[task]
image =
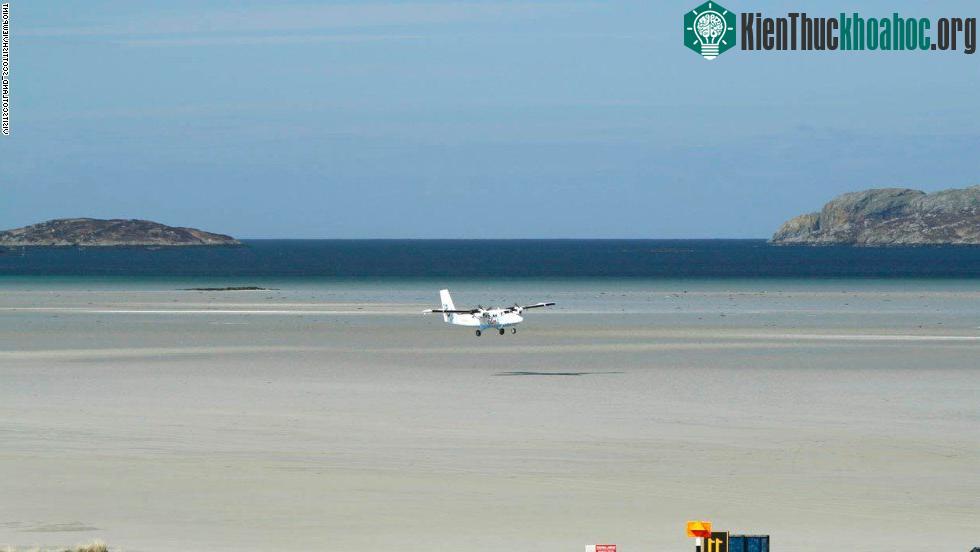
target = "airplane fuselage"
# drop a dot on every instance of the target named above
(493, 318)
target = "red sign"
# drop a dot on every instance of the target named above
(605, 548)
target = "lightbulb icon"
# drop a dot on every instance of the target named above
(710, 28)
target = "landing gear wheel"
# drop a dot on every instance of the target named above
(479, 333)
(513, 330)
(502, 331)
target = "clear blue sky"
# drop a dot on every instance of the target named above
(462, 119)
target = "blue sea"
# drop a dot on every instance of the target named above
(494, 259)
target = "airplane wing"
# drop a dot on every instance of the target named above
(525, 307)
(536, 305)
(450, 311)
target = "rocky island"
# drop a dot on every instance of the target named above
(115, 232)
(889, 216)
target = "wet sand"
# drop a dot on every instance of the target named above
(832, 419)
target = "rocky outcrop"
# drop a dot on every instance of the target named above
(115, 232)
(890, 216)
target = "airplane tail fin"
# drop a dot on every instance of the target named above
(447, 303)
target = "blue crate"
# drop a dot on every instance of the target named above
(748, 543)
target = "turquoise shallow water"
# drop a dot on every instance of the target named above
(907, 303)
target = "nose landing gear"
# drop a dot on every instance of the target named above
(479, 333)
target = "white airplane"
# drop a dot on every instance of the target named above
(482, 318)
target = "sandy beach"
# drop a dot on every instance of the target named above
(843, 416)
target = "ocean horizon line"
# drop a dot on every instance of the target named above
(506, 239)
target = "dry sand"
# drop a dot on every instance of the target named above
(289, 420)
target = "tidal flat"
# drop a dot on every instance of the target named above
(842, 415)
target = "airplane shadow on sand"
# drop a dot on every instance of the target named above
(524, 373)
